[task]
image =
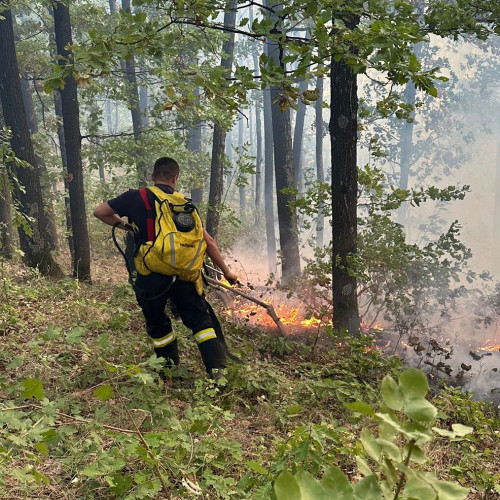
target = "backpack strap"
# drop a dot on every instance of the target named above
(150, 214)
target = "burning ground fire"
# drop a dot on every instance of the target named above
(289, 316)
(295, 319)
(489, 347)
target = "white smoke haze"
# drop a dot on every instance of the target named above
(462, 126)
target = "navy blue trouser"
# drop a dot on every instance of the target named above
(152, 293)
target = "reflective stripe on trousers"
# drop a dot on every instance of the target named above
(204, 335)
(163, 341)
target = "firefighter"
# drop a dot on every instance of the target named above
(154, 289)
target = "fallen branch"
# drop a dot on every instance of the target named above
(76, 420)
(268, 307)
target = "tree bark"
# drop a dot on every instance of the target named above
(320, 171)
(64, 160)
(298, 135)
(6, 246)
(143, 106)
(128, 67)
(194, 146)
(258, 159)
(343, 136)
(283, 167)
(33, 128)
(258, 131)
(496, 213)
(406, 143)
(6, 243)
(269, 182)
(35, 243)
(241, 175)
(72, 139)
(219, 138)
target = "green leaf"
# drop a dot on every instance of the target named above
(391, 393)
(450, 491)
(389, 449)
(336, 485)
(361, 407)
(370, 444)
(286, 487)
(419, 489)
(387, 431)
(363, 467)
(417, 455)
(104, 392)
(310, 487)
(75, 335)
(294, 410)
(39, 477)
(119, 484)
(462, 430)
(413, 384)
(420, 409)
(257, 467)
(42, 449)
(33, 388)
(443, 432)
(390, 472)
(368, 488)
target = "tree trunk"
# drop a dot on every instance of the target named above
(496, 216)
(128, 67)
(258, 160)
(35, 244)
(320, 172)
(143, 106)
(298, 135)
(33, 128)
(219, 138)
(258, 130)
(64, 160)
(241, 175)
(72, 139)
(283, 167)
(343, 136)
(194, 146)
(6, 244)
(269, 182)
(406, 141)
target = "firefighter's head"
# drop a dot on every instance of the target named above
(165, 171)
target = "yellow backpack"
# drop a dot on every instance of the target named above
(175, 245)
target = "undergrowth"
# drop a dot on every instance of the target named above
(84, 414)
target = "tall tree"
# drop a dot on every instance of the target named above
(320, 171)
(72, 139)
(259, 157)
(128, 67)
(344, 187)
(64, 160)
(298, 135)
(33, 128)
(194, 146)
(406, 140)
(219, 136)
(241, 175)
(269, 182)
(283, 160)
(6, 245)
(35, 242)
(258, 131)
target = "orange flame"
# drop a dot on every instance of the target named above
(288, 316)
(489, 347)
